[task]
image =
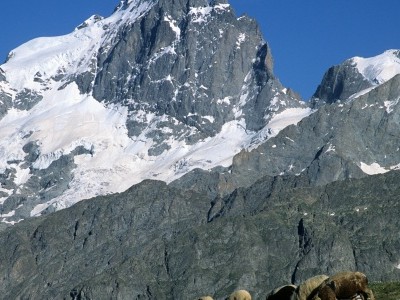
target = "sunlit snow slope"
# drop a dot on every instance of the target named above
(380, 68)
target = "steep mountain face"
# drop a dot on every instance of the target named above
(154, 241)
(356, 76)
(153, 91)
(338, 141)
(171, 70)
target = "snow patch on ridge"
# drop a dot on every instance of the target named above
(390, 104)
(380, 68)
(68, 54)
(240, 40)
(173, 25)
(372, 169)
(290, 116)
(375, 168)
(363, 92)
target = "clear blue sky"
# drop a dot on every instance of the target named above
(306, 37)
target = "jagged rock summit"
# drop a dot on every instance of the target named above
(356, 76)
(153, 91)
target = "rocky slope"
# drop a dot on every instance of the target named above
(139, 96)
(154, 241)
(350, 139)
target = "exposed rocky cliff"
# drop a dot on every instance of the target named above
(353, 139)
(356, 76)
(154, 241)
(190, 61)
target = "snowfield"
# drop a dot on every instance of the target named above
(380, 68)
(66, 119)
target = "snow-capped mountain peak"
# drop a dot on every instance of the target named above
(357, 76)
(34, 64)
(140, 94)
(380, 68)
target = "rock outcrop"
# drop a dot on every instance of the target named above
(154, 241)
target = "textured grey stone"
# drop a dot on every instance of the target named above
(339, 83)
(84, 81)
(32, 149)
(26, 99)
(2, 75)
(6, 178)
(5, 103)
(42, 185)
(189, 82)
(154, 241)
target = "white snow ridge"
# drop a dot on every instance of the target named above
(380, 68)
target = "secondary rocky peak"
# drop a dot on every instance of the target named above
(339, 83)
(356, 76)
(380, 68)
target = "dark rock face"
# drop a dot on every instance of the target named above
(136, 226)
(5, 103)
(2, 75)
(26, 99)
(189, 61)
(23, 100)
(5, 98)
(339, 83)
(154, 241)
